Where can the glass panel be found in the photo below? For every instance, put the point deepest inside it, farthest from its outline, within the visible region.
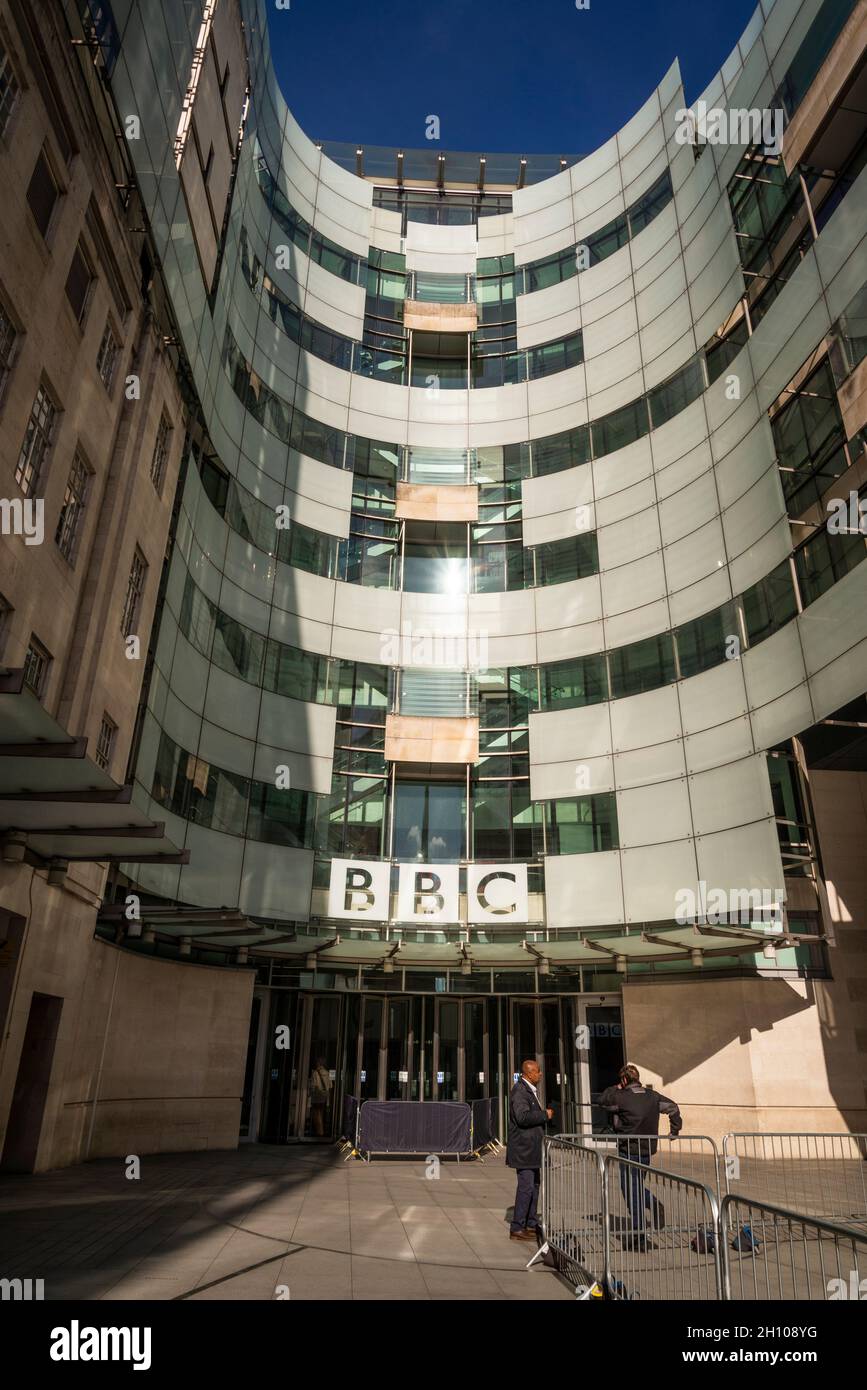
(429, 821)
(553, 1087)
(642, 666)
(396, 1087)
(606, 1054)
(571, 684)
(476, 1079)
(582, 825)
(371, 1039)
(321, 1089)
(447, 1053)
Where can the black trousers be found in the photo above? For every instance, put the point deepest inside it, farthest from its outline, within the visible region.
(526, 1199)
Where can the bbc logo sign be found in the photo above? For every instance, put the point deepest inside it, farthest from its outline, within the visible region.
(428, 893)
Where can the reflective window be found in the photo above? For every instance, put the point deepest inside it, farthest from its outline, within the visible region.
(570, 684)
(429, 819)
(642, 666)
(620, 428)
(581, 825)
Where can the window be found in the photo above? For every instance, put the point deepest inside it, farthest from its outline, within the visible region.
(79, 282)
(570, 684)
(68, 523)
(582, 824)
(655, 199)
(620, 428)
(36, 663)
(42, 193)
(574, 557)
(559, 451)
(106, 358)
(707, 641)
(677, 393)
(8, 339)
(105, 742)
(37, 442)
(642, 666)
(9, 90)
(134, 591)
(161, 452)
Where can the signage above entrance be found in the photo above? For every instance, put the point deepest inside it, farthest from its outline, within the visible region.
(428, 893)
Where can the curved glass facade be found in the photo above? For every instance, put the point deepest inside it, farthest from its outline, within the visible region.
(607, 569)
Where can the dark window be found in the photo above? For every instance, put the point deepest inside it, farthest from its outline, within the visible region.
(707, 641)
(79, 282)
(570, 684)
(651, 205)
(9, 90)
(677, 393)
(42, 193)
(8, 340)
(106, 358)
(161, 452)
(582, 825)
(105, 743)
(36, 663)
(620, 428)
(74, 501)
(645, 665)
(134, 591)
(37, 442)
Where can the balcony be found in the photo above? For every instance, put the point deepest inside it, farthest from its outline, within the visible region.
(435, 718)
(438, 303)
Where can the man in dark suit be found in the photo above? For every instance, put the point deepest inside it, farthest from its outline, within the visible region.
(527, 1120)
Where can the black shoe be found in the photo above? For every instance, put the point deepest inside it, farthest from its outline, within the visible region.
(657, 1219)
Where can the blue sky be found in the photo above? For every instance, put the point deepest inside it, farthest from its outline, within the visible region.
(511, 75)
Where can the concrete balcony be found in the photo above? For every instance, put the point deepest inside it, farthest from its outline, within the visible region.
(411, 738)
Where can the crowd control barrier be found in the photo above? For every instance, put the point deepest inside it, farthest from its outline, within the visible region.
(638, 1231)
(459, 1128)
(693, 1156)
(774, 1255)
(820, 1175)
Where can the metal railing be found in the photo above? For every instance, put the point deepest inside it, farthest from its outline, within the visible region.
(693, 1156)
(573, 1209)
(642, 1232)
(821, 1175)
(771, 1254)
(433, 287)
(657, 1229)
(434, 692)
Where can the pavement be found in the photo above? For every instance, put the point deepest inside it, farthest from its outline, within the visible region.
(270, 1222)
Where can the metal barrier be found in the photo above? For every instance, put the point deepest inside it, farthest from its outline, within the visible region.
(572, 1209)
(820, 1175)
(771, 1254)
(694, 1156)
(660, 1234)
(642, 1231)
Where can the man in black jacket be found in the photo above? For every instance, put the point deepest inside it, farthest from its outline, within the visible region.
(527, 1120)
(635, 1110)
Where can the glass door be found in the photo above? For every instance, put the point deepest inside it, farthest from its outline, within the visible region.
(320, 1090)
(537, 1032)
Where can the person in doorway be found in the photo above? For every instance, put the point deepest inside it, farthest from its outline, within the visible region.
(635, 1111)
(320, 1096)
(527, 1120)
